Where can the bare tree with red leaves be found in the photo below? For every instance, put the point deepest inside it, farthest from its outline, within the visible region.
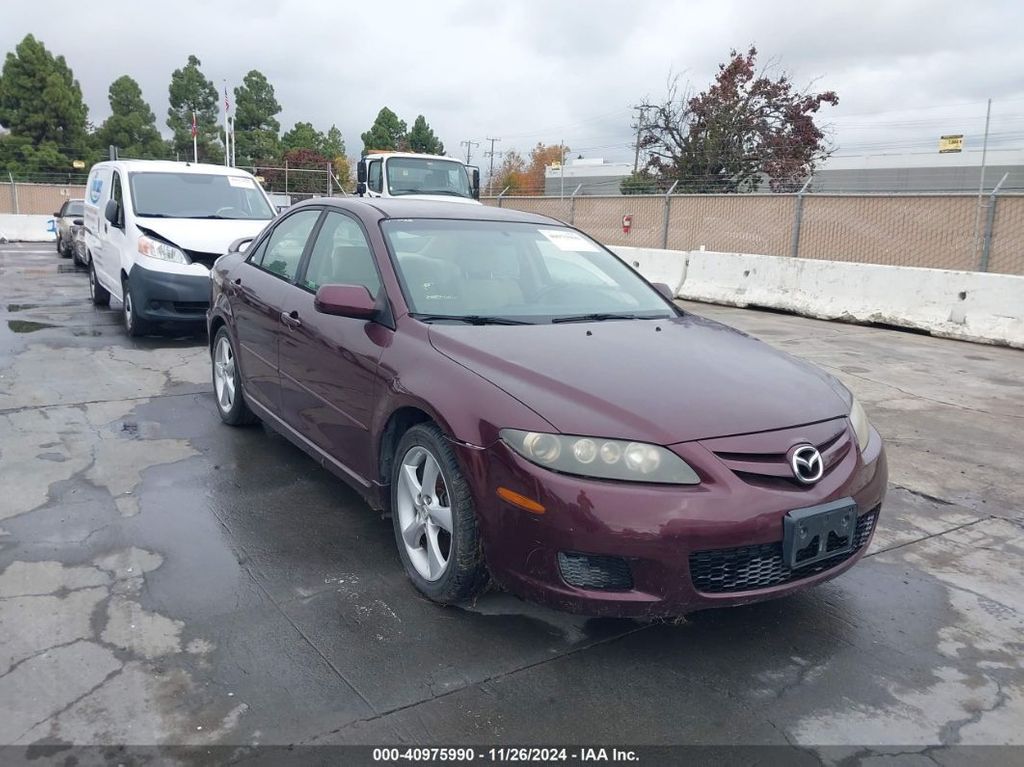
(746, 129)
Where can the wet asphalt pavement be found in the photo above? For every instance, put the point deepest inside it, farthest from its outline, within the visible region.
(167, 579)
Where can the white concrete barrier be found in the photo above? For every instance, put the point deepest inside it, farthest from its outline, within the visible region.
(971, 306)
(667, 266)
(26, 228)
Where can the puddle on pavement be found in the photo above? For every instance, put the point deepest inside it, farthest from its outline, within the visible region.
(24, 326)
(21, 307)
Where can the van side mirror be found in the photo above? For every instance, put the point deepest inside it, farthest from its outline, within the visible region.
(345, 301)
(474, 182)
(361, 171)
(112, 212)
(57, 214)
(240, 245)
(664, 289)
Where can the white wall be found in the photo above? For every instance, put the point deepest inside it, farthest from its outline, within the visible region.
(25, 228)
(972, 306)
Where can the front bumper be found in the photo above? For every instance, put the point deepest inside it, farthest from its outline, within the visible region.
(655, 529)
(166, 297)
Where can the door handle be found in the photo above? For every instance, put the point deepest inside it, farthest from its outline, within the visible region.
(291, 319)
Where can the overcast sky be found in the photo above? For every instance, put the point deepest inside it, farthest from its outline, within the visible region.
(906, 71)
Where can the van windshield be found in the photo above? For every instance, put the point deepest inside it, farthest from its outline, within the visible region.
(198, 195)
(415, 175)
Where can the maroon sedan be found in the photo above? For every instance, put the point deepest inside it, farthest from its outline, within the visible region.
(533, 413)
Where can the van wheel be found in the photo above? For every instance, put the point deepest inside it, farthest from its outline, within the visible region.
(227, 382)
(100, 295)
(134, 325)
(434, 519)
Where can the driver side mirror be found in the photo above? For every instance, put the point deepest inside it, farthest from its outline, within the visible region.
(240, 245)
(352, 301)
(112, 212)
(664, 289)
(474, 182)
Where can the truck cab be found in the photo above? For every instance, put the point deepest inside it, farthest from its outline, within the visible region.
(417, 176)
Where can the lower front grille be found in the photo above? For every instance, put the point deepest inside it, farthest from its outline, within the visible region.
(191, 307)
(591, 571)
(748, 568)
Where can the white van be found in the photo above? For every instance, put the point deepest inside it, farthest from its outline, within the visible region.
(153, 229)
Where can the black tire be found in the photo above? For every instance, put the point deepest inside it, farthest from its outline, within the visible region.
(99, 294)
(466, 575)
(62, 248)
(238, 412)
(134, 325)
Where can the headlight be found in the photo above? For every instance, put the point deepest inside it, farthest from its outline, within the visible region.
(601, 458)
(861, 427)
(162, 250)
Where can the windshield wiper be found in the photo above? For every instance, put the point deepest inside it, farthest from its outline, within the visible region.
(598, 317)
(470, 319)
(448, 192)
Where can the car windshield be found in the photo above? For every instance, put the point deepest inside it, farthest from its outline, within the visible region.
(198, 195)
(75, 208)
(477, 270)
(416, 175)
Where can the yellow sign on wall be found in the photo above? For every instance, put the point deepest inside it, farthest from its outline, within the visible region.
(954, 143)
(79, 164)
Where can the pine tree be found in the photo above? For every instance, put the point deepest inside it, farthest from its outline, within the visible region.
(190, 92)
(131, 126)
(256, 125)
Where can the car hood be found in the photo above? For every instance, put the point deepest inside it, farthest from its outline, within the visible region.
(202, 235)
(660, 381)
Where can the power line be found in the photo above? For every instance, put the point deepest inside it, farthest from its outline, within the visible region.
(490, 174)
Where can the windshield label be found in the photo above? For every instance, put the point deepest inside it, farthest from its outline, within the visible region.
(568, 240)
(241, 182)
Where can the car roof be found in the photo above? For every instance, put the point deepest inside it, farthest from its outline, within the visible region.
(170, 166)
(384, 208)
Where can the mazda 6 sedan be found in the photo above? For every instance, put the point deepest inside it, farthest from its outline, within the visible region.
(534, 414)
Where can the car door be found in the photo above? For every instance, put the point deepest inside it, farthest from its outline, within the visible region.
(113, 239)
(257, 297)
(329, 363)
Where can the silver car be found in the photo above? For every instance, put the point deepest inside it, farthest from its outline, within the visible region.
(66, 220)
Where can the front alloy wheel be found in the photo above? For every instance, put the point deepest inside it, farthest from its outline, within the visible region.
(231, 404)
(424, 513)
(434, 518)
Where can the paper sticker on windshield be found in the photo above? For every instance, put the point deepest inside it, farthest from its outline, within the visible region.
(566, 239)
(241, 182)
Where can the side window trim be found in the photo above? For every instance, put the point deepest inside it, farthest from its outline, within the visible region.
(300, 276)
(310, 239)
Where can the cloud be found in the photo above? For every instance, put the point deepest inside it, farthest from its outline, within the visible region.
(548, 71)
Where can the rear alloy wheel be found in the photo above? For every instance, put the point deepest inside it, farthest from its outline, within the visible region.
(434, 519)
(134, 325)
(227, 387)
(100, 295)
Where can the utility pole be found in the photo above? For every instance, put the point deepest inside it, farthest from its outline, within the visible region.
(981, 182)
(490, 173)
(469, 148)
(639, 132)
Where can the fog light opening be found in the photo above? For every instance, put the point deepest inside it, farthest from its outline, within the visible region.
(517, 499)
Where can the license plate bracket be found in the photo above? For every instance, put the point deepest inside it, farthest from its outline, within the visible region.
(815, 533)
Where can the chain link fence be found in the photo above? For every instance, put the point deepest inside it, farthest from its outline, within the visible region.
(940, 231)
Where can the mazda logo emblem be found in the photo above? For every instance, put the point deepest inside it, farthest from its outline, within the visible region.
(807, 464)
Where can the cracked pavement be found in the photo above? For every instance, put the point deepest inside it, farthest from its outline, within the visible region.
(167, 580)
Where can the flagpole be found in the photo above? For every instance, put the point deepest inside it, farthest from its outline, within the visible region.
(227, 134)
(195, 142)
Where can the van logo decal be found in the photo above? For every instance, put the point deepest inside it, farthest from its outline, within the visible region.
(95, 189)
